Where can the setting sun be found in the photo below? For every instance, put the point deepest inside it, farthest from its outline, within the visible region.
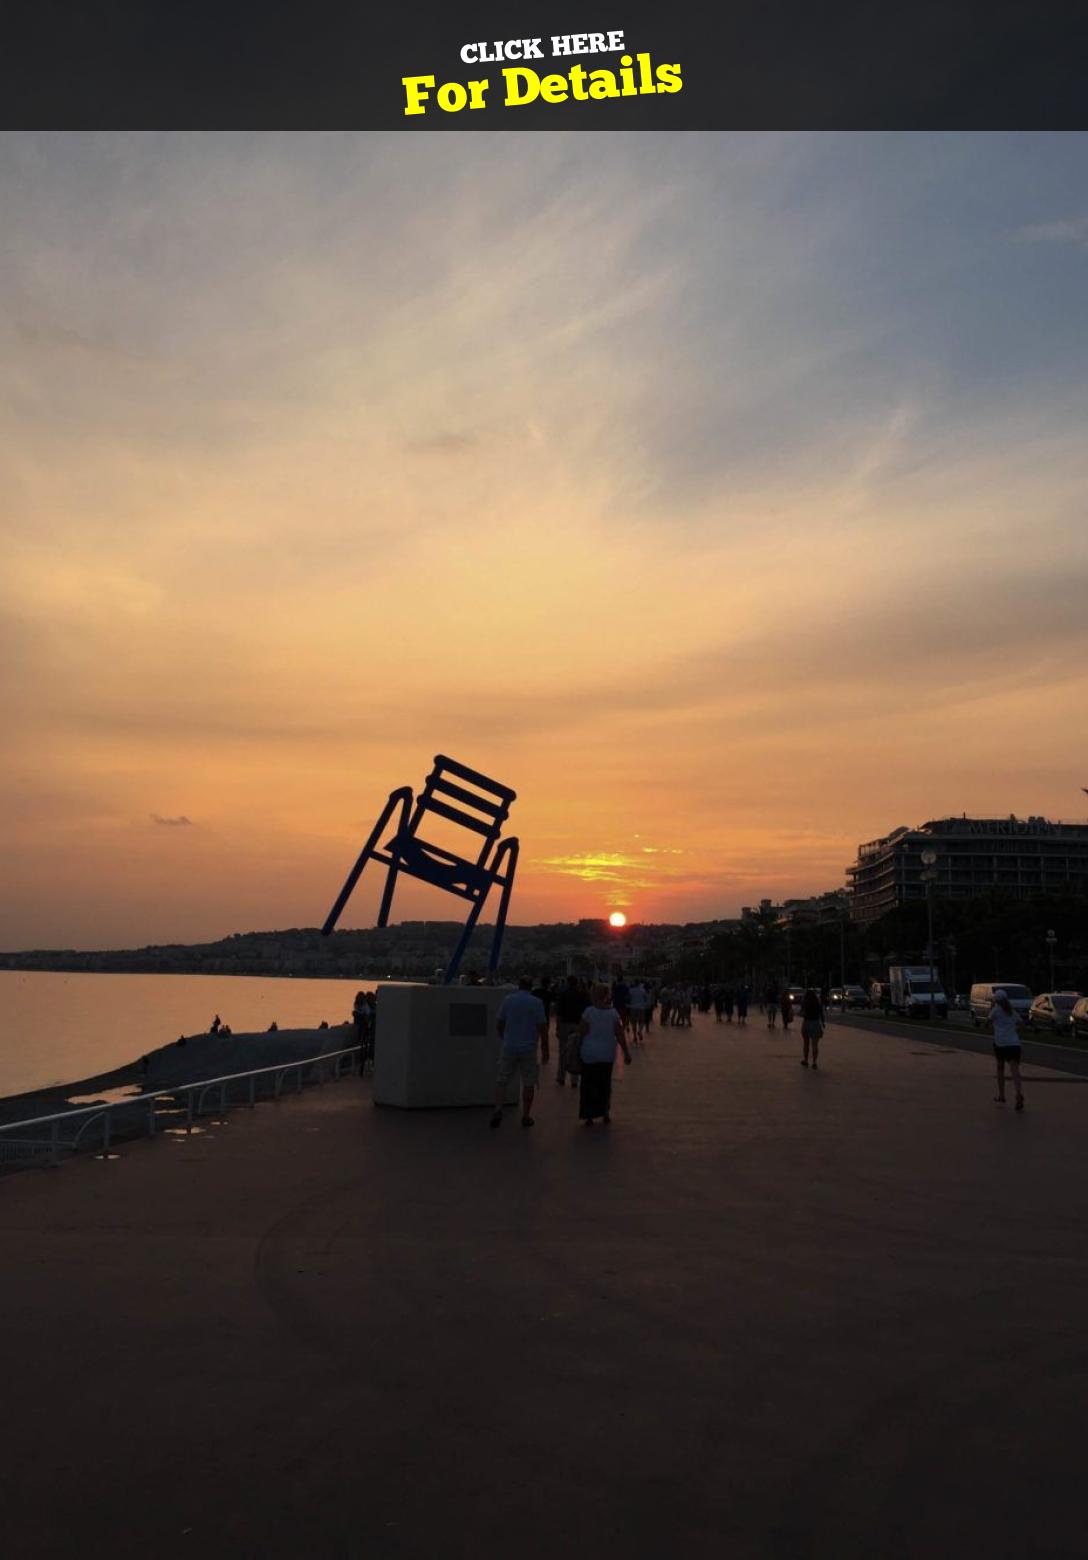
(617, 918)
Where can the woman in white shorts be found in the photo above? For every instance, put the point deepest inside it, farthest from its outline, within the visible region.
(1006, 1028)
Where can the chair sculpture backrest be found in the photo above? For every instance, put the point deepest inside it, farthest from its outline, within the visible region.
(489, 803)
(472, 801)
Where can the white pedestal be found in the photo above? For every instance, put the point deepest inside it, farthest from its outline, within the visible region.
(437, 1045)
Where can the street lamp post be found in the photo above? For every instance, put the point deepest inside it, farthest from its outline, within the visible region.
(929, 877)
(1051, 941)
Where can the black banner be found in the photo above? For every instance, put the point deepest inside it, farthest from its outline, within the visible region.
(749, 64)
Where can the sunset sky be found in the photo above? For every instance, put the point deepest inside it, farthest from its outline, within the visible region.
(723, 494)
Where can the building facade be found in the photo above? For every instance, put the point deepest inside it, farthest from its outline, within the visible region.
(818, 910)
(1022, 856)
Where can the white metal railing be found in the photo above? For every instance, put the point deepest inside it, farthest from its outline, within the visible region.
(17, 1148)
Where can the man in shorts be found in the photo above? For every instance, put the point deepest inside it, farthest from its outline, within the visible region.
(522, 1020)
(636, 1010)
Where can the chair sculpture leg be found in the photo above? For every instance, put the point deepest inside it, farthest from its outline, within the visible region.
(473, 916)
(404, 797)
(511, 847)
(391, 875)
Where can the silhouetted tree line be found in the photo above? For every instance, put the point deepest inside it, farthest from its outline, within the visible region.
(995, 936)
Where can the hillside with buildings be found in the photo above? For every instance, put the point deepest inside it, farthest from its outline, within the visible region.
(1004, 894)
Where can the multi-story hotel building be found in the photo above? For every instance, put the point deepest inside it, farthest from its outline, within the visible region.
(1023, 856)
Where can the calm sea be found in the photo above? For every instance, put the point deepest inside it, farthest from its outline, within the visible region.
(57, 1028)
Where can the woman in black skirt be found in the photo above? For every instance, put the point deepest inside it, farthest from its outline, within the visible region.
(601, 1030)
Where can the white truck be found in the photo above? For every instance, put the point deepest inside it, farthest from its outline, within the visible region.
(911, 993)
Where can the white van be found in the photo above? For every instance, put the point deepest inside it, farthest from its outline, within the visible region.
(911, 992)
(982, 1000)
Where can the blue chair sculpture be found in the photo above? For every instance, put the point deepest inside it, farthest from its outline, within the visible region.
(482, 810)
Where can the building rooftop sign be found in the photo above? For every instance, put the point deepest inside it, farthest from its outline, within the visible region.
(1010, 825)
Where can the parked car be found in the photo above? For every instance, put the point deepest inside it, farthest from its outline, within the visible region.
(1053, 1010)
(982, 999)
(848, 997)
(796, 993)
(1079, 1019)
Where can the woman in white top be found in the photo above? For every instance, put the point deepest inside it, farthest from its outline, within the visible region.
(601, 1030)
(1006, 1030)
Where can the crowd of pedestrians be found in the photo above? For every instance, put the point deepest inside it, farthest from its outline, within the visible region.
(595, 1020)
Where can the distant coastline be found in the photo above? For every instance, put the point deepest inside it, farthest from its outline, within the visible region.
(410, 948)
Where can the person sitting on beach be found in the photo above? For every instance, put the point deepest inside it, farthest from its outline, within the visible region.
(216, 1025)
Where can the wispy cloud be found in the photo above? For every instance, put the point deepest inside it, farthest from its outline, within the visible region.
(1065, 230)
(442, 444)
(180, 822)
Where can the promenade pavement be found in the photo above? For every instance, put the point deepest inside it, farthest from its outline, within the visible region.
(768, 1313)
(964, 1036)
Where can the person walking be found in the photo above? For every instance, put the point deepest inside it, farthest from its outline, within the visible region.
(812, 1026)
(569, 1007)
(621, 996)
(785, 1007)
(522, 1022)
(1006, 1028)
(358, 1015)
(743, 995)
(770, 1003)
(728, 1002)
(543, 990)
(637, 1011)
(601, 1030)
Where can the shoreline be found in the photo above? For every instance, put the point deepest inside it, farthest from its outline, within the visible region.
(173, 1065)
